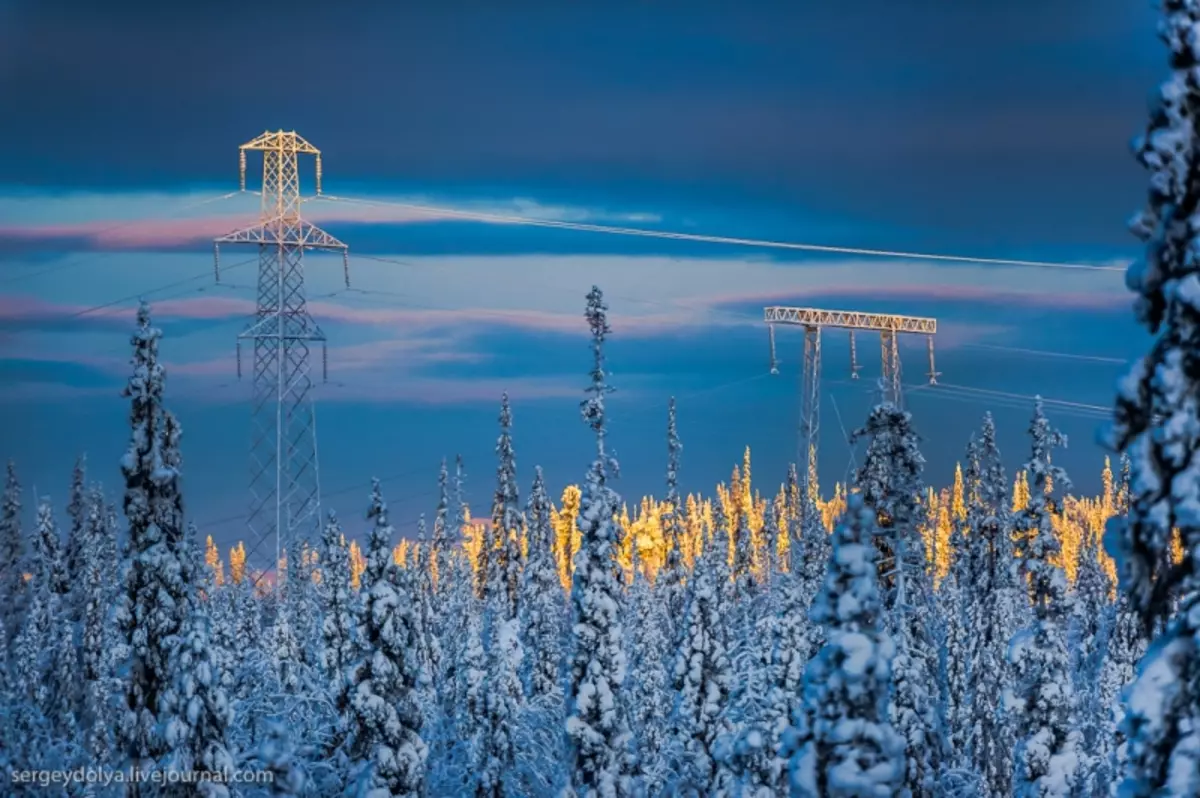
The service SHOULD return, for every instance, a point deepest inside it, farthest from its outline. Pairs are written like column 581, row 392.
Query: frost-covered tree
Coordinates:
column 495, row 771
column 844, row 745
column 702, row 675
column 952, row 597
column 470, row 687
column 500, row 559
column 77, row 513
column 792, row 647
column 12, row 556
column 890, row 480
column 596, row 727
column 44, row 656
column 339, row 621
column 387, row 719
column 649, row 699
column 670, row 581
column 1126, row 645
column 438, row 546
column 151, row 611
column 96, row 636
column 429, row 652
column 543, row 605
column 1155, row 423
column 992, row 610
column 196, row 726
column 1049, row 747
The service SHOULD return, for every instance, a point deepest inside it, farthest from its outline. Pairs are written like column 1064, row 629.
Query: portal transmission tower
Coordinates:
column 887, row 325
column 285, row 486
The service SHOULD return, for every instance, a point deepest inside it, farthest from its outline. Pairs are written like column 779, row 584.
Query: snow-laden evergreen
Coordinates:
column 671, row 580
column 992, row 609
column 495, row 768
column 97, row 633
column 891, row 483
column 501, row 554
column 387, row 742
column 1044, row 700
column 953, row 596
column 649, row 697
column 793, row 646
column 196, row 731
column 844, row 745
column 12, row 556
column 339, row 624
column 543, row 604
column 596, row 726
column 1126, row 643
column 1156, row 425
column 151, row 611
column 429, row 648
column 702, row 676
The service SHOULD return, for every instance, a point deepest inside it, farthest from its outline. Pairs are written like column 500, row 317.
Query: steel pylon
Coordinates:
column 285, row 486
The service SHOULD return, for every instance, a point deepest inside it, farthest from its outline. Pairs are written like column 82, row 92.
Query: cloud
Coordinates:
column 152, row 231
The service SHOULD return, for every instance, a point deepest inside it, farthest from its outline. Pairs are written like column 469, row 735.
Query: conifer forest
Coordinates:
column 781, row 636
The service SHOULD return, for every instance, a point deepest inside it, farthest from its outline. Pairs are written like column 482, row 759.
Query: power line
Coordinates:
column 710, row 239
column 78, row 259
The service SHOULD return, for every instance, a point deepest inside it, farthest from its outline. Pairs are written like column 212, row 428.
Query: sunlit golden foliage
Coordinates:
column 237, row 563
column 358, row 564
column 1075, row 520
column 212, row 558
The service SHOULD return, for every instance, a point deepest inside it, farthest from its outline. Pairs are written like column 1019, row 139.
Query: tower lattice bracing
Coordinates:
column 889, row 327
column 284, row 473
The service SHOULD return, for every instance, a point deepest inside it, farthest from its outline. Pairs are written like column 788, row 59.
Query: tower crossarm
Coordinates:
column 295, row 232
column 286, row 140
column 850, row 320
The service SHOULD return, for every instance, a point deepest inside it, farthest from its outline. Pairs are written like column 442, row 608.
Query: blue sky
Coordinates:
column 993, row 129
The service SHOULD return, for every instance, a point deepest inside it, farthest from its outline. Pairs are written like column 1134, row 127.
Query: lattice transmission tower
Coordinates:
column 285, row 486
column 812, row 320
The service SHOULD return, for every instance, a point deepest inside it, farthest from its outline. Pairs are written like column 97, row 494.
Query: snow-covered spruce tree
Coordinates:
column 471, row 675
column 387, row 719
column 1155, row 423
column 702, row 675
column 57, row 692
column 502, row 563
column 995, row 604
column 596, row 728
column 196, row 732
column 649, row 702
column 151, row 610
column 1049, row 742
column 670, row 581
column 543, row 606
column 438, row 546
column 77, row 513
column 953, row 596
column 844, row 745
column 429, row 651
column 792, row 647
column 891, row 485
column 1126, row 643
column 96, row 636
column 1121, row 504
column 339, row 620
column 495, row 772
column 12, row 556
column 1088, row 629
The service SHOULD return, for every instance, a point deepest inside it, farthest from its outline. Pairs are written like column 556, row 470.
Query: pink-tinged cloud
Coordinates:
column 149, row 233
